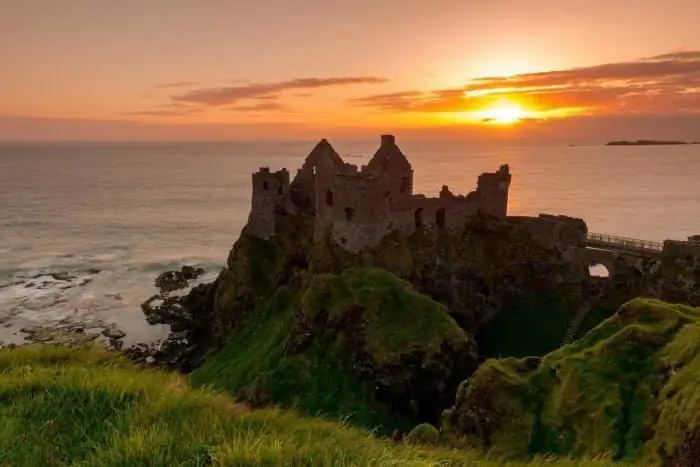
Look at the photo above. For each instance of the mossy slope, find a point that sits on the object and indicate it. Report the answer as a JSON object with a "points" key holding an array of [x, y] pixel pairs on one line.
{"points": [[361, 345], [629, 388], [83, 407]]}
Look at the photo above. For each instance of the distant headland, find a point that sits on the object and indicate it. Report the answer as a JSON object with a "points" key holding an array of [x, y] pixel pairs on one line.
{"points": [[649, 142]]}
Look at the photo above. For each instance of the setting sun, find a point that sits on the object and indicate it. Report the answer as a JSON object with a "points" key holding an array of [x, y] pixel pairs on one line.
{"points": [[503, 113]]}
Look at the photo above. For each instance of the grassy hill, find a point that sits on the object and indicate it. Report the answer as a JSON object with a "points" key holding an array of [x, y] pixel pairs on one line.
{"points": [[86, 407]]}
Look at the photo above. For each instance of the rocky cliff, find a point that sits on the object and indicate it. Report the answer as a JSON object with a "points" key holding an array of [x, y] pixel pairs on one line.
{"points": [[384, 337], [401, 322]]}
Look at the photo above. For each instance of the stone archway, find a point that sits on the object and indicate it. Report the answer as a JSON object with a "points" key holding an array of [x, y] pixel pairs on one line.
{"points": [[600, 263]]}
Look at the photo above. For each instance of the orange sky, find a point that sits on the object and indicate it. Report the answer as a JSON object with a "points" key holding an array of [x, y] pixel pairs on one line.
{"points": [[138, 69]]}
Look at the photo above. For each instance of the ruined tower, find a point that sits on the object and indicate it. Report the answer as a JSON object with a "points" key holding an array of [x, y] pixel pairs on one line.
{"points": [[492, 190], [270, 200], [390, 164]]}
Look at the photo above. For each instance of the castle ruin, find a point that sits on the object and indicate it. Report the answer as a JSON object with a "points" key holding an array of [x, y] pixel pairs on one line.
{"points": [[361, 206]]}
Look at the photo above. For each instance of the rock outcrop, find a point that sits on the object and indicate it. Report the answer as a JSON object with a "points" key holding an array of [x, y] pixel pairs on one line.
{"points": [[628, 388], [186, 307], [403, 342]]}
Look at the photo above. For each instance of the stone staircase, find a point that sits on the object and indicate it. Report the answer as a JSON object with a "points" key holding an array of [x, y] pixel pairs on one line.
{"points": [[581, 313], [575, 322]]}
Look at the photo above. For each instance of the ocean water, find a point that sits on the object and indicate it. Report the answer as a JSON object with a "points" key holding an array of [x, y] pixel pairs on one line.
{"points": [[113, 215]]}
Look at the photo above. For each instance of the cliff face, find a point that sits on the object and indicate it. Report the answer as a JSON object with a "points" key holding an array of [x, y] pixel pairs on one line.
{"points": [[388, 335], [397, 323], [627, 388], [490, 268]]}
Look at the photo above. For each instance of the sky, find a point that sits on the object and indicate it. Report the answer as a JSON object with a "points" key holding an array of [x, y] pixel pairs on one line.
{"points": [[281, 69]]}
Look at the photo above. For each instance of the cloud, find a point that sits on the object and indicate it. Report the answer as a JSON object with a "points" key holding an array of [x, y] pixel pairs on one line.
{"points": [[177, 84], [168, 110], [219, 96], [263, 106], [659, 84]]}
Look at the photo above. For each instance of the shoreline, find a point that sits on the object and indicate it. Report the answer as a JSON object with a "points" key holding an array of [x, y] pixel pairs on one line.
{"points": [[80, 327]]}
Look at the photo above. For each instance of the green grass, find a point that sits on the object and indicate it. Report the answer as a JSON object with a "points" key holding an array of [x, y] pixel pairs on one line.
{"points": [[319, 382], [85, 407]]}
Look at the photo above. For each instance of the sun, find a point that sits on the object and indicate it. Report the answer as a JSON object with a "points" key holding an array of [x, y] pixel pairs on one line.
{"points": [[504, 113]]}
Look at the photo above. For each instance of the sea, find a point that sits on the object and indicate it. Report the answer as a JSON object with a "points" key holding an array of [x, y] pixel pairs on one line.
{"points": [[86, 227]]}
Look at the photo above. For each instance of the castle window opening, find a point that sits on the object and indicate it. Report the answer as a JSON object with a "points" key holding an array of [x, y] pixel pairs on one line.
{"points": [[349, 214], [329, 198], [265, 186], [440, 218], [418, 218], [280, 190]]}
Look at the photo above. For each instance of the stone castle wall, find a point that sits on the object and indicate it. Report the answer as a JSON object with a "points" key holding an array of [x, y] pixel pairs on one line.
{"points": [[361, 206], [550, 231]]}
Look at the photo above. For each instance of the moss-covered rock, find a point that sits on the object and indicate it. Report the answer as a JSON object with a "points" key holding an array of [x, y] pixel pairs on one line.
{"points": [[424, 434], [406, 344], [362, 344], [633, 379]]}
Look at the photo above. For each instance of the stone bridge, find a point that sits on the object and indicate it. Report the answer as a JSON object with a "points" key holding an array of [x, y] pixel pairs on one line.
{"points": [[609, 250]]}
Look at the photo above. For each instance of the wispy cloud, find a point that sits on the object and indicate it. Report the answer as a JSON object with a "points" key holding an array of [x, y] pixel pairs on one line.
{"points": [[168, 110], [177, 84], [659, 84], [263, 106], [227, 95]]}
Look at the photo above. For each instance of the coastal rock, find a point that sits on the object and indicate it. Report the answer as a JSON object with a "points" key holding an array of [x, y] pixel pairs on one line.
{"points": [[170, 281], [113, 332], [59, 335], [186, 311]]}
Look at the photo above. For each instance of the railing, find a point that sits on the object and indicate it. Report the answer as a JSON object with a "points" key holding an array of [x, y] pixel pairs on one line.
{"points": [[624, 243]]}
